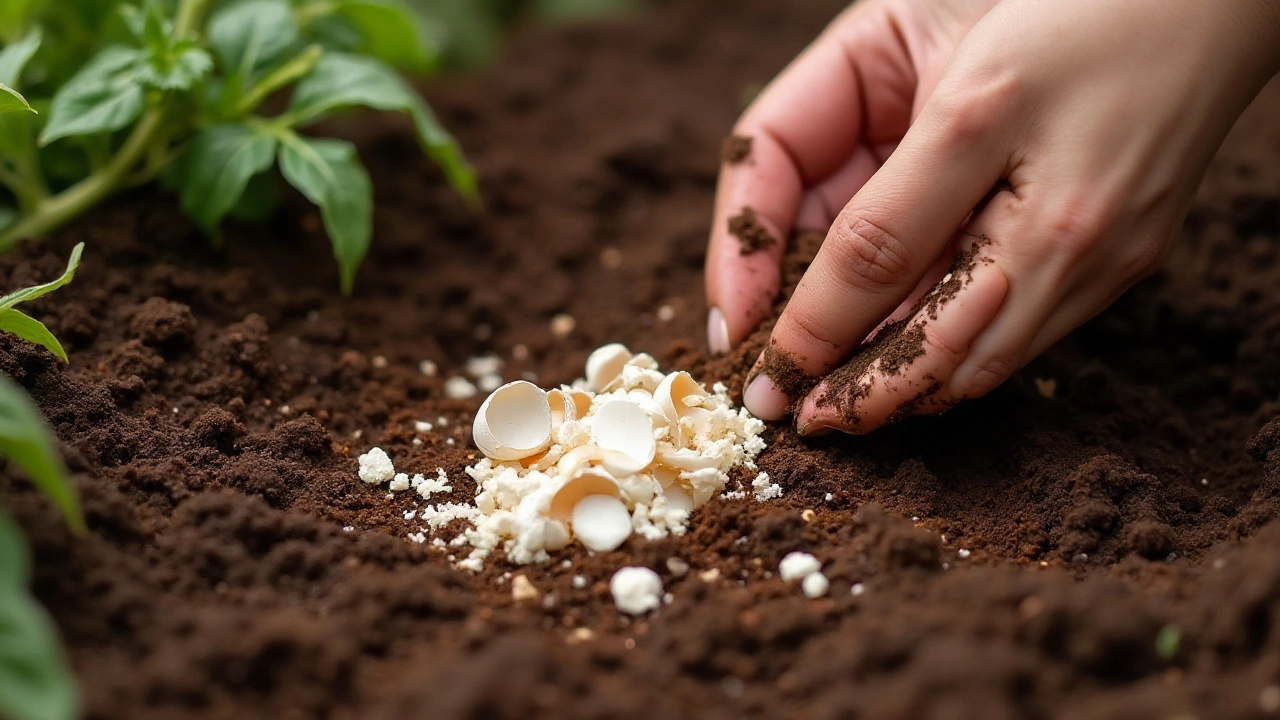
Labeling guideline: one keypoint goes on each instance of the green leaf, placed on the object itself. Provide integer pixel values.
(328, 172)
(14, 58)
(103, 97)
(260, 198)
(251, 35)
(340, 80)
(8, 216)
(31, 293)
(13, 17)
(28, 443)
(390, 32)
(31, 330)
(180, 69)
(35, 681)
(218, 166)
(11, 101)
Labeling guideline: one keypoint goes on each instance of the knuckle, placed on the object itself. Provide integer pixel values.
(1078, 225)
(867, 256)
(938, 345)
(810, 332)
(987, 375)
(970, 109)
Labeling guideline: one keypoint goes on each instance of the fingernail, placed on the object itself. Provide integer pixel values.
(717, 332)
(816, 429)
(764, 400)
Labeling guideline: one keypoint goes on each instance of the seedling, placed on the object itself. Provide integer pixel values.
(35, 683)
(132, 94)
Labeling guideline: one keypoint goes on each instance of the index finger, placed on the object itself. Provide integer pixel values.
(803, 127)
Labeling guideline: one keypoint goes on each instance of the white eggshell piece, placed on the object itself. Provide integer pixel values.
(578, 458)
(688, 460)
(562, 408)
(624, 427)
(581, 401)
(675, 393)
(605, 364)
(636, 590)
(574, 488)
(601, 522)
(678, 498)
(514, 422)
(555, 535)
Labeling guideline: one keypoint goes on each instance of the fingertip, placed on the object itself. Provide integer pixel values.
(717, 332)
(763, 399)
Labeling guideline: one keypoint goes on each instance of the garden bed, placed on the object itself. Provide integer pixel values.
(1096, 539)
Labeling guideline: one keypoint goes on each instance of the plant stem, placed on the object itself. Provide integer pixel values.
(53, 212)
(50, 213)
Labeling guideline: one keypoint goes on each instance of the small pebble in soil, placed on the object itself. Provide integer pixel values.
(636, 590)
(562, 325)
(808, 515)
(1080, 558)
(815, 585)
(519, 353)
(857, 589)
(422, 426)
(379, 362)
(579, 582)
(1047, 387)
(964, 554)
(709, 576)
(580, 635)
(428, 368)
(797, 565)
(522, 589)
(677, 566)
(484, 365)
(666, 313)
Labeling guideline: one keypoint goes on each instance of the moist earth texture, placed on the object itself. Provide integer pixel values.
(1096, 539)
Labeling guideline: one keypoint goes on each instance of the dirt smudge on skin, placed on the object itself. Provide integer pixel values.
(735, 149)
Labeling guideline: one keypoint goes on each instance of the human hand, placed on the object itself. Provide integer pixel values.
(1056, 145)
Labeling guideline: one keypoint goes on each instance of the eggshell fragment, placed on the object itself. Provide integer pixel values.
(562, 408)
(587, 482)
(605, 364)
(601, 522)
(624, 432)
(514, 422)
(677, 393)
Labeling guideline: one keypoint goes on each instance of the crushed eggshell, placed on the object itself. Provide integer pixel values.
(636, 590)
(459, 388)
(798, 565)
(627, 450)
(376, 467)
(522, 589)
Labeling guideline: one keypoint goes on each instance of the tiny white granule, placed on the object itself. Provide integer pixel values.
(484, 365)
(408, 514)
(379, 362)
(815, 585)
(459, 388)
(522, 589)
(677, 566)
(666, 313)
(798, 565)
(422, 426)
(829, 497)
(579, 581)
(764, 489)
(963, 553)
(428, 368)
(734, 495)
(636, 590)
(417, 537)
(442, 421)
(376, 467)
(857, 589)
(437, 543)
(417, 442)
(489, 383)
(399, 482)
(348, 528)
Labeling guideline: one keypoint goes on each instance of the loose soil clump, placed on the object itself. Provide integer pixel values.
(752, 236)
(1015, 557)
(735, 149)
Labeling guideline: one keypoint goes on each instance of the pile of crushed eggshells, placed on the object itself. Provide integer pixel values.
(627, 450)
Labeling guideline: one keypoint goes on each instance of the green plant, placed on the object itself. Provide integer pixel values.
(122, 94)
(35, 682)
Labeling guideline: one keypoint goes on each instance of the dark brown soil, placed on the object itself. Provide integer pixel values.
(735, 149)
(752, 236)
(1018, 557)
